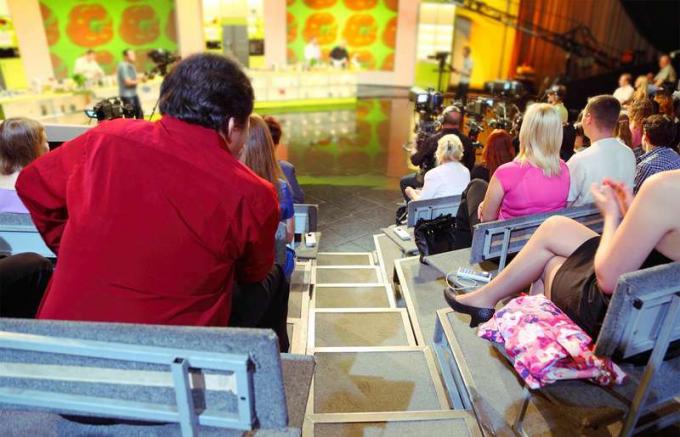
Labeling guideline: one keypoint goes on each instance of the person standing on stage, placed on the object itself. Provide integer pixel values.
(312, 53)
(128, 81)
(339, 55)
(88, 67)
(465, 74)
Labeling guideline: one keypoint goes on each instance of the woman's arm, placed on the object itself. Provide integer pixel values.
(488, 209)
(290, 230)
(628, 239)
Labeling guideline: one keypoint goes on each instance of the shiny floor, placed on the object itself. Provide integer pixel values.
(349, 161)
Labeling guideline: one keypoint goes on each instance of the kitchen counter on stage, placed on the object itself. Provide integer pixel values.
(273, 90)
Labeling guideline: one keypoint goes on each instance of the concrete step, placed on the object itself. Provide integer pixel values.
(421, 423)
(355, 275)
(393, 379)
(351, 297)
(379, 327)
(345, 259)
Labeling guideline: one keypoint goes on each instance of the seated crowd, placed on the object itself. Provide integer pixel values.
(115, 207)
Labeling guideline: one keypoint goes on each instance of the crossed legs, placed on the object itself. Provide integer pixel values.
(536, 264)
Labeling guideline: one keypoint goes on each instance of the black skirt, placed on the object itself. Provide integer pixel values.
(575, 290)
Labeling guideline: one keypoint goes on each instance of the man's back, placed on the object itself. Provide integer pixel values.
(149, 222)
(606, 158)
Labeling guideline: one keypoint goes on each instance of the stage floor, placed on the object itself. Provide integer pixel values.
(349, 161)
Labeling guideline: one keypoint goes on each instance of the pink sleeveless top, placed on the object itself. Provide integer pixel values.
(528, 191)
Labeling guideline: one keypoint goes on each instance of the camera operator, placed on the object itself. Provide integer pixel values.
(423, 154)
(127, 82)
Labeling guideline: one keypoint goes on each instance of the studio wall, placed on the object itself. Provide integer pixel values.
(368, 26)
(74, 26)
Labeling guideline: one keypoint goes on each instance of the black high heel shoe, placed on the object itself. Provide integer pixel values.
(478, 315)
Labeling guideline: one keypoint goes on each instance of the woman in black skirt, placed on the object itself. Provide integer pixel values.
(578, 269)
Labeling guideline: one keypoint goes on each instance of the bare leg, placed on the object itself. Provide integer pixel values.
(556, 237)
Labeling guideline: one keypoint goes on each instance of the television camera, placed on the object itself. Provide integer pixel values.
(428, 105)
(163, 59)
(109, 109)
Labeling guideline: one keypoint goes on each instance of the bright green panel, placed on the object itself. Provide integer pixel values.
(108, 27)
(329, 19)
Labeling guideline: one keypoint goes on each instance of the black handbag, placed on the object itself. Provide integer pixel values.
(435, 236)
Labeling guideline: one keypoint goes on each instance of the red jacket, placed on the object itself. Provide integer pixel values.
(150, 222)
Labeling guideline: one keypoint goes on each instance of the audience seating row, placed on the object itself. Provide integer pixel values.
(643, 317)
(478, 377)
(203, 379)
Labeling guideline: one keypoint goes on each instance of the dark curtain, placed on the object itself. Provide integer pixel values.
(657, 21)
(607, 20)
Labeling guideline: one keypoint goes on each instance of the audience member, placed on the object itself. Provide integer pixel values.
(497, 151)
(449, 178)
(641, 89)
(664, 98)
(637, 113)
(657, 140)
(136, 243)
(581, 142)
(22, 140)
(258, 155)
(23, 279)
(568, 141)
(666, 72)
(622, 131)
(624, 93)
(556, 96)
(536, 181)
(423, 154)
(607, 157)
(578, 269)
(287, 168)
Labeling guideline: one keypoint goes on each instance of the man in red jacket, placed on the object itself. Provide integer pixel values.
(154, 222)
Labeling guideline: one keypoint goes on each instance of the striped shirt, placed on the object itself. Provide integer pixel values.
(655, 161)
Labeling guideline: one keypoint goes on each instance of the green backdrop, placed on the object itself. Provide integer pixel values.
(108, 27)
(368, 26)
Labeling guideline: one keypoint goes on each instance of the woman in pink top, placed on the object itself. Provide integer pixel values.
(537, 180)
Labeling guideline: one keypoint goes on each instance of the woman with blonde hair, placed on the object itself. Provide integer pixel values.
(536, 181)
(641, 87)
(259, 155)
(449, 178)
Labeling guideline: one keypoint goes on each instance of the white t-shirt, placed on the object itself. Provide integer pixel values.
(624, 93)
(312, 52)
(449, 179)
(466, 72)
(606, 158)
(89, 69)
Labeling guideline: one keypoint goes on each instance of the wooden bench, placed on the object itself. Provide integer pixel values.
(188, 379)
(429, 209)
(643, 316)
(499, 239)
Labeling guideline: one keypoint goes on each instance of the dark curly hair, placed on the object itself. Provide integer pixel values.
(207, 89)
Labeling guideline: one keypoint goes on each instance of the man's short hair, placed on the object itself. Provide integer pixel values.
(207, 89)
(452, 115)
(660, 130)
(125, 52)
(274, 128)
(89, 52)
(605, 111)
(628, 77)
